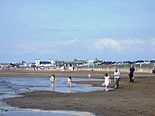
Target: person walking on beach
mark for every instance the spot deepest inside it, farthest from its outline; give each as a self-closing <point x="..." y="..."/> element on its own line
<point x="116" y="78"/>
<point x="106" y="81"/>
<point x="53" y="79"/>
<point x="131" y="74"/>
<point x="69" y="81"/>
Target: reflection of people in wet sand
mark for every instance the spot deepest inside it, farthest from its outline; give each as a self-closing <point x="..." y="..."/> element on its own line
<point x="53" y="88"/>
<point x="106" y="81"/>
<point x="69" y="89"/>
<point x="69" y="81"/>
<point x="53" y="79"/>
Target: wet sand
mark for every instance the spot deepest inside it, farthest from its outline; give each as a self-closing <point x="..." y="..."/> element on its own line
<point x="130" y="99"/>
<point x="80" y="73"/>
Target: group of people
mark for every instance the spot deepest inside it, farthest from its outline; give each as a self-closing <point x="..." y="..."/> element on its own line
<point x="107" y="80"/>
<point x="53" y="80"/>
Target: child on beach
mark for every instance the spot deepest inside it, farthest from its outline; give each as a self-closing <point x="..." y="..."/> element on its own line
<point x="69" y="81"/>
<point x="116" y="78"/>
<point x="53" y="79"/>
<point x="89" y="75"/>
<point x="106" y="81"/>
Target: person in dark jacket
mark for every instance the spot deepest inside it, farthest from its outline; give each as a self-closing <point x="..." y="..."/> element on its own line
<point x="131" y="74"/>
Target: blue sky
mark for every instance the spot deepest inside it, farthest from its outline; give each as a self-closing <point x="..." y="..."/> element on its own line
<point x="82" y="29"/>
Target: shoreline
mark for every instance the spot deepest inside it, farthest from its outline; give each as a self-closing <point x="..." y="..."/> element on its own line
<point x="129" y="99"/>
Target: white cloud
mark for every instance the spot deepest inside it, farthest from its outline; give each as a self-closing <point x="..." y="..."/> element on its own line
<point x="27" y="48"/>
<point x="120" y="45"/>
<point x="47" y="47"/>
<point x="42" y="48"/>
<point x="133" y="44"/>
<point x="133" y="41"/>
<point x="70" y="42"/>
<point x="108" y="43"/>
<point x="85" y="48"/>
<point x="76" y="40"/>
<point x="63" y="42"/>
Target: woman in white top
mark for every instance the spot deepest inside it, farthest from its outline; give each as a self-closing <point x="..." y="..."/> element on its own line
<point x="106" y="81"/>
<point x="116" y="78"/>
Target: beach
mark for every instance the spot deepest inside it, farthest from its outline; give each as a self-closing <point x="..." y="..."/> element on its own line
<point x="130" y="99"/>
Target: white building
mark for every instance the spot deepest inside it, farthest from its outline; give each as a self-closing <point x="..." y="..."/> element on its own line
<point x="45" y="64"/>
<point x="90" y="62"/>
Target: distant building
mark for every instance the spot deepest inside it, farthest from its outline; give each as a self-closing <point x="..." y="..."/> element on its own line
<point x="70" y="65"/>
<point x="90" y="62"/>
<point x="45" y="64"/>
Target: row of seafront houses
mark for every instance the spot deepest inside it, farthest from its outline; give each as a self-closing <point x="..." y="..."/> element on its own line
<point x="140" y="65"/>
<point x="43" y="65"/>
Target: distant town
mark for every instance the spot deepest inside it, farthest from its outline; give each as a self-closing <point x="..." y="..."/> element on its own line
<point x="95" y="64"/>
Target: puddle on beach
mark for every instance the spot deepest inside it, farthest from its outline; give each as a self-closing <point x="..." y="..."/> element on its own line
<point x="45" y="113"/>
<point x="11" y="86"/>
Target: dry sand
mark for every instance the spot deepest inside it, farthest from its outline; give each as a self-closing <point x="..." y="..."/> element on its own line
<point x="130" y="99"/>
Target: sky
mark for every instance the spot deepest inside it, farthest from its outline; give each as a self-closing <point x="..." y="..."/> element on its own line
<point x="77" y="29"/>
